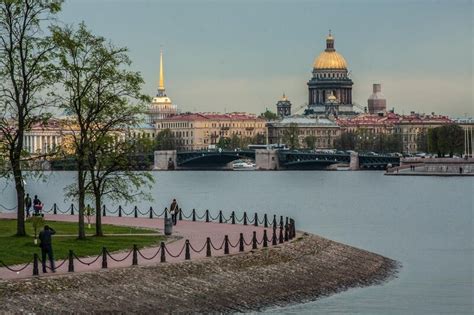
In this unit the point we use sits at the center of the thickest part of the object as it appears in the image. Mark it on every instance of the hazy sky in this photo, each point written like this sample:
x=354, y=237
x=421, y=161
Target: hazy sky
x=242, y=55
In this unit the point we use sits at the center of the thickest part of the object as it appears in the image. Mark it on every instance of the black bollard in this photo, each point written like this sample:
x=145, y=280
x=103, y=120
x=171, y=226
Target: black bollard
x=226, y=245
x=207, y=215
x=135, y=255
x=286, y=221
x=265, y=238
x=220, y=216
x=286, y=233
x=55, y=211
x=245, y=218
x=241, y=242
x=187, y=254
x=120, y=212
x=104, y=258
x=281, y=235
x=163, y=254
x=274, y=221
x=135, y=210
x=194, y=214
x=151, y=212
x=233, y=217
x=208, y=247
x=72, y=209
x=293, y=228
x=166, y=214
x=35, y=265
x=71, y=261
x=255, y=219
x=254, y=240
x=265, y=220
x=180, y=216
x=281, y=221
x=104, y=213
x=274, y=237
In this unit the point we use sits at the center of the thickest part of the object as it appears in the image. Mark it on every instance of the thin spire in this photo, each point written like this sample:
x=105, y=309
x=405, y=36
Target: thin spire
x=161, y=84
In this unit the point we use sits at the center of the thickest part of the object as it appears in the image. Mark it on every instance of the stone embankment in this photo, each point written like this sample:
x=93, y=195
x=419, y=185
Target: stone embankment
x=305, y=269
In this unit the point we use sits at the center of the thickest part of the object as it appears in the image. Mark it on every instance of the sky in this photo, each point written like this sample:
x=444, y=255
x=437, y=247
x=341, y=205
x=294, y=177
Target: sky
x=227, y=56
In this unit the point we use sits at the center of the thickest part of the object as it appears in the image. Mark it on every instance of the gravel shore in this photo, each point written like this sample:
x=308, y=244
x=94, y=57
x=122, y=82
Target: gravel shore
x=306, y=269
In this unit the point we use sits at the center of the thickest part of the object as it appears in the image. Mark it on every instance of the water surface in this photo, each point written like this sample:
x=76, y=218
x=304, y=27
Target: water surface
x=425, y=223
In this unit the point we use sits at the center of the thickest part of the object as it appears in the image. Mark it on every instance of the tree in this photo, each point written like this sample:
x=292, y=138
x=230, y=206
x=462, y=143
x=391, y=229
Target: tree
x=36, y=222
x=98, y=94
x=259, y=139
x=235, y=142
x=269, y=115
x=347, y=141
x=310, y=142
x=112, y=174
x=165, y=140
x=291, y=136
x=25, y=75
x=447, y=139
x=223, y=143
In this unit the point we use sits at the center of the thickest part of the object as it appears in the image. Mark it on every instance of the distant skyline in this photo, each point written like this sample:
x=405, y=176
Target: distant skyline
x=242, y=55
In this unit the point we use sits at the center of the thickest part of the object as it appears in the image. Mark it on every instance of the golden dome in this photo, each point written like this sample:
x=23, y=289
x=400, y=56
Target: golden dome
x=329, y=58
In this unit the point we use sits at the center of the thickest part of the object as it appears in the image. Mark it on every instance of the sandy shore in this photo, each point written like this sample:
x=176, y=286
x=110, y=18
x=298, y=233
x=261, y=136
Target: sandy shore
x=306, y=269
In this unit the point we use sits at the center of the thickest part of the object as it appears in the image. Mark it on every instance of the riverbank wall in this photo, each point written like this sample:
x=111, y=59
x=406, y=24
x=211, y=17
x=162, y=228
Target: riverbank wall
x=308, y=268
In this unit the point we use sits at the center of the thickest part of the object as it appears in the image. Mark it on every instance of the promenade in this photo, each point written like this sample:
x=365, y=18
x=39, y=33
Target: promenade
x=196, y=232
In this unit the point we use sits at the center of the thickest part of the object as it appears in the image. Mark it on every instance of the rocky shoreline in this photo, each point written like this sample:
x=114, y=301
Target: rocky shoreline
x=306, y=269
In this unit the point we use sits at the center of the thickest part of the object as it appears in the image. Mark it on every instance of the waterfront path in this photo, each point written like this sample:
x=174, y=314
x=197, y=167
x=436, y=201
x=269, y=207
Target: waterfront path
x=196, y=232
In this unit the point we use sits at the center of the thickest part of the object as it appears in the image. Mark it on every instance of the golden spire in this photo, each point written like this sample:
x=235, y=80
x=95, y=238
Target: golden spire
x=161, y=85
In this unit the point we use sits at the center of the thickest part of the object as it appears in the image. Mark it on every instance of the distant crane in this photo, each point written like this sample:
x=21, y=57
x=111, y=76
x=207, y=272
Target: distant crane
x=297, y=109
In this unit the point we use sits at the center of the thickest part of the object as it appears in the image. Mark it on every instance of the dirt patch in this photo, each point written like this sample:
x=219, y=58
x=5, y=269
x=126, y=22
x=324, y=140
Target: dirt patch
x=306, y=269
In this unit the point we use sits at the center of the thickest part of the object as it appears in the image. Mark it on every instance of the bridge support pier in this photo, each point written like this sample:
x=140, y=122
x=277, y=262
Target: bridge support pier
x=266, y=159
x=165, y=160
x=354, y=164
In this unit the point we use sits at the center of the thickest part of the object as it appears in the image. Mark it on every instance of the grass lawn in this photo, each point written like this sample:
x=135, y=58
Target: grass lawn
x=16, y=250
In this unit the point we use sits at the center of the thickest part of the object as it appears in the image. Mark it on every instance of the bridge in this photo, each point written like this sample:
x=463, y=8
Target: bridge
x=315, y=160
x=211, y=159
x=271, y=159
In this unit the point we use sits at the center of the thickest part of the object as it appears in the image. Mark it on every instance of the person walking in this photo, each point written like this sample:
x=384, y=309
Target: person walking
x=27, y=205
x=37, y=205
x=47, y=247
x=174, y=209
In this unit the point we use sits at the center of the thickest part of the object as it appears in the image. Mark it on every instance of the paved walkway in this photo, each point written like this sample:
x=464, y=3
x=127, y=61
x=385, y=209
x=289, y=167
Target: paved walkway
x=195, y=232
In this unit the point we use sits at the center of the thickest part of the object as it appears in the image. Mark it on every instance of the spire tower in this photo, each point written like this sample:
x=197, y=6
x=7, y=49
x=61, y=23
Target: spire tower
x=161, y=83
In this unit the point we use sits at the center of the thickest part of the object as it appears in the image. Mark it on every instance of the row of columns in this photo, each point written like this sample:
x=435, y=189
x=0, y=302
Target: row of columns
x=40, y=143
x=468, y=142
x=319, y=96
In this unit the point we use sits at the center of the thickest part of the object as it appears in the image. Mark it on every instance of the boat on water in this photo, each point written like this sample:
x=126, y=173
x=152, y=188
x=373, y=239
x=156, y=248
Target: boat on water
x=243, y=165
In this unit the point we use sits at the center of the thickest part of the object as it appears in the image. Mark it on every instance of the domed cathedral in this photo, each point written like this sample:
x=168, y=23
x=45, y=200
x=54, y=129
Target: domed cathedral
x=161, y=106
x=330, y=88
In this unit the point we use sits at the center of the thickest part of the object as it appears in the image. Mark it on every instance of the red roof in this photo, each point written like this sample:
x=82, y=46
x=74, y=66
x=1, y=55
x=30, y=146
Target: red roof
x=214, y=116
x=392, y=119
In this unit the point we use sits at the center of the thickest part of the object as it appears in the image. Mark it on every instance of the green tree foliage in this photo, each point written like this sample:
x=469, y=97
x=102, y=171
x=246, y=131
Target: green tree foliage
x=364, y=141
x=98, y=91
x=290, y=136
x=25, y=77
x=269, y=115
x=310, y=142
x=165, y=140
x=447, y=139
x=347, y=141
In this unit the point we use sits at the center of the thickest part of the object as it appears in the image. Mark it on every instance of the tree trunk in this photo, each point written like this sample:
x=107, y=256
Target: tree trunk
x=82, y=194
x=20, y=197
x=98, y=213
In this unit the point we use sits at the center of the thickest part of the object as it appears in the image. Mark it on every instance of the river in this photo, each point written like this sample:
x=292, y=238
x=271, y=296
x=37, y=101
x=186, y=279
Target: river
x=425, y=223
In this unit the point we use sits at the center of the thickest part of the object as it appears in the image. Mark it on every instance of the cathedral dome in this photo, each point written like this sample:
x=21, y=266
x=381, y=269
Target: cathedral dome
x=329, y=58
